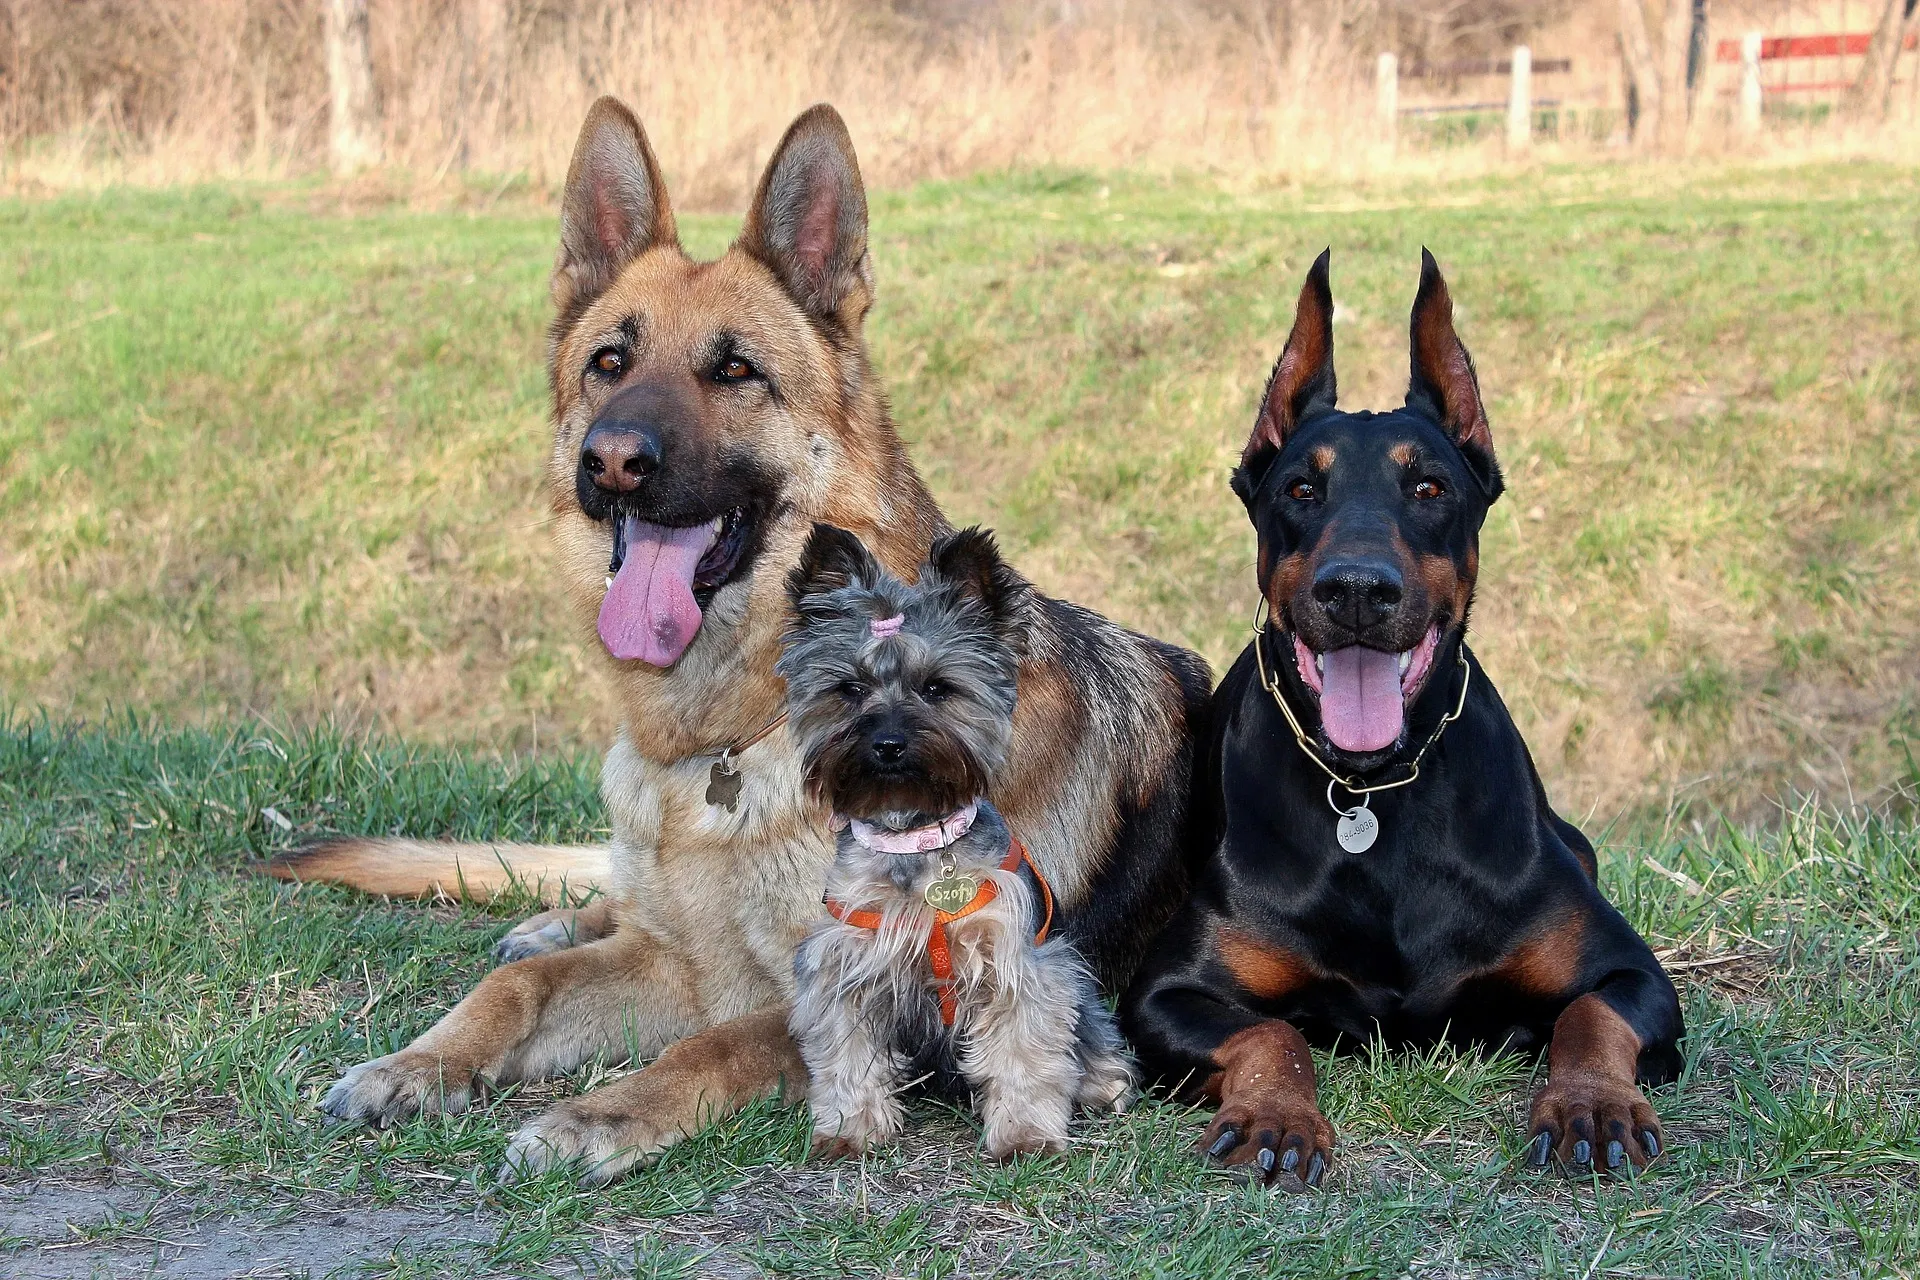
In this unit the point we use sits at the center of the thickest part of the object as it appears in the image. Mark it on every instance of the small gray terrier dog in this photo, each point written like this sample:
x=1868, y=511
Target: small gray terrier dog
x=937, y=958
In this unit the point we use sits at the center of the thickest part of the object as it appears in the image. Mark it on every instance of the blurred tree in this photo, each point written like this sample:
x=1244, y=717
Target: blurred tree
x=354, y=136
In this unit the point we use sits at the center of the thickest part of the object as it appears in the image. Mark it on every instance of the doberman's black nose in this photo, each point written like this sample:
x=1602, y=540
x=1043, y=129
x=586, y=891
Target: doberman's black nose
x=618, y=456
x=889, y=746
x=1358, y=594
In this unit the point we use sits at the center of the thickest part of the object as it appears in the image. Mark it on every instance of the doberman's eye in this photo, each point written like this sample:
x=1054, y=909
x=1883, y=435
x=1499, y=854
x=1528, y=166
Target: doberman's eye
x=1429, y=489
x=936, y=691
x=852, y=690
x=1302, y=491
x=609, y=362
x=733, y=369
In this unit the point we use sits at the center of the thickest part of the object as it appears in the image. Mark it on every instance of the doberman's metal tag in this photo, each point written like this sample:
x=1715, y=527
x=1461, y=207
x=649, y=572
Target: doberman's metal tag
x=723, y=785
x=951, y=892
x=1357, y=829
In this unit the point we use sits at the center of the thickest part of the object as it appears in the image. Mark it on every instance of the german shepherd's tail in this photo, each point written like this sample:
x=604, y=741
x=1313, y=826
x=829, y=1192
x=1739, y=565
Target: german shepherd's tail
x=558, y=875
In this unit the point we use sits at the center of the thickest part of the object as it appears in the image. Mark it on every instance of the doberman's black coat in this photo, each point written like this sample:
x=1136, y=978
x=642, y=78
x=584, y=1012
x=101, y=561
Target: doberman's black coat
x=1475, y=914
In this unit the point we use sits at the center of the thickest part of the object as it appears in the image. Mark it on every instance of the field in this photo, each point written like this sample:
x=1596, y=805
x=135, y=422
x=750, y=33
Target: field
x=169, y=1021
x=272, y=451
x=270, y=564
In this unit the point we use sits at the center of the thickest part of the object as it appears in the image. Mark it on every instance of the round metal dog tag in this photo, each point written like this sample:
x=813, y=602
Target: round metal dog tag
x=950, y=893
x=1357, y=830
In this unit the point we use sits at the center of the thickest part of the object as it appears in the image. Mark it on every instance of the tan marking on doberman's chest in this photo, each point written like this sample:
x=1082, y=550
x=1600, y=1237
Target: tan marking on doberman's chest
x=1263, y=970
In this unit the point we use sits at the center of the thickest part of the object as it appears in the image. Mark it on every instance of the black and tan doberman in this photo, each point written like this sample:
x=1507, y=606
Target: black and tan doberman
x=1377, y=854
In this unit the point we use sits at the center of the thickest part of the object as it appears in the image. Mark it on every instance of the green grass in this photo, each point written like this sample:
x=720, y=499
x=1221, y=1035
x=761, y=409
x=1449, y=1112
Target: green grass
x=264, y=451
x=170, y=1020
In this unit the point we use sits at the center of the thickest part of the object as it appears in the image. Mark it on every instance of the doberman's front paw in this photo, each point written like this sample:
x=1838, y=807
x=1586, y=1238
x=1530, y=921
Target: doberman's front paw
x=1586, y=1121
x=1274, y=1137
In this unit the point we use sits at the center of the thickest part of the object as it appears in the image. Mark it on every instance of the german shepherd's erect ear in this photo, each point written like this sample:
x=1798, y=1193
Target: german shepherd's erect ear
x=614, y=210
x=969, y=561
x=808, y=221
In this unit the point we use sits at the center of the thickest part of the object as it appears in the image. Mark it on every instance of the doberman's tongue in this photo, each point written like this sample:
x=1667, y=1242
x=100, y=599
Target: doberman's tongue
x=649, y=612
x=1360, y=703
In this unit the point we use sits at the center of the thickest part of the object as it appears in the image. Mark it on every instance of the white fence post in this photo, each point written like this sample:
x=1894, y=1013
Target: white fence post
x=1386, y=96
x=1520, y=102
x=1750, y=82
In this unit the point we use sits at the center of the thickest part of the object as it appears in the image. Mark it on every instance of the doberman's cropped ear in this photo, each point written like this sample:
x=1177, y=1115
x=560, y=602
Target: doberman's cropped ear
x=808, y=220
x=970, y=562
x=1444, y=383
x=833, y=558
x=615, y=208
x=1302, y=382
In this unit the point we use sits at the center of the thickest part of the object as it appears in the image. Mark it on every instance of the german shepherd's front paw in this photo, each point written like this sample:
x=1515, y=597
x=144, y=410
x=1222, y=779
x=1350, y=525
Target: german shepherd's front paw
x=599, y=1141
x=401, y=1085
x=1274, y=1135
x=1583, y=1121
x=554, y=930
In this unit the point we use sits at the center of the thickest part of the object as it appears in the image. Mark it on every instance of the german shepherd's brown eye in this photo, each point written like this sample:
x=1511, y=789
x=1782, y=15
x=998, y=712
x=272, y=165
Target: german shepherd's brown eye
x=852, y=690
x=936, y=691
x=1428, y=489
x=1302, y=491
x=609, y=362
x=733, y=369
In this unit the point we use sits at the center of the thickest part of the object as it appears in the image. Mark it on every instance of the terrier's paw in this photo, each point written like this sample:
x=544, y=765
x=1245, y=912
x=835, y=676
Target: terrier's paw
x=401, y=1085
x=601, y=1142
x=1584, y=1121
x=1108, y=1092
x=1275, y=1137
x=1009, y=1138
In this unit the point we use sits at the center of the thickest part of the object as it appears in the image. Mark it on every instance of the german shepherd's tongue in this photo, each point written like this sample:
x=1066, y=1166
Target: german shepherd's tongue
x=649, y=612
x=1360, y=705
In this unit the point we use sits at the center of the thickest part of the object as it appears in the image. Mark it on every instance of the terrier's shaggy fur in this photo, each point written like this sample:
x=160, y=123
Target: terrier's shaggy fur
x=901, y=701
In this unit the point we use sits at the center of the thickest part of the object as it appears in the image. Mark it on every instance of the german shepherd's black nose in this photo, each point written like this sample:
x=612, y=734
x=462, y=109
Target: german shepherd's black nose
x=617, y=456
x=1358, y=595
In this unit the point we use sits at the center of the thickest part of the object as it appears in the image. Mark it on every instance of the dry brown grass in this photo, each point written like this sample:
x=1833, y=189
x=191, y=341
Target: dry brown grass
x=165, y=90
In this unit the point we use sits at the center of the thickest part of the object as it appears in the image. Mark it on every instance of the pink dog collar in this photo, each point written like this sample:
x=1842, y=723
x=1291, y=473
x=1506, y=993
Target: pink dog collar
x=926, y=839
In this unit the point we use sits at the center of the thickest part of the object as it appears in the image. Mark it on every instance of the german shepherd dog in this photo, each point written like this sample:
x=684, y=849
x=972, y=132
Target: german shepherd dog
x=1377, y=852
x=705, y=415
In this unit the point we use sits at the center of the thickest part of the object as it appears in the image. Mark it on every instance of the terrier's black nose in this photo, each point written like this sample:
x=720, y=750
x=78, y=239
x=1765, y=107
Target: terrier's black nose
x=1358, y=594
x=617, y=457
x=889, y=747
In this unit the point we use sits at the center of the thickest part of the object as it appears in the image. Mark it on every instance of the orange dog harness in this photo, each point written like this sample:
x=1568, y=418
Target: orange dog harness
x=939, y=954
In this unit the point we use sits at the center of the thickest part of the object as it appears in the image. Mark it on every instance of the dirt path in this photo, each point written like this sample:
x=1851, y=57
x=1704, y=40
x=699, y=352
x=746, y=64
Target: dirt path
x=53, y=1232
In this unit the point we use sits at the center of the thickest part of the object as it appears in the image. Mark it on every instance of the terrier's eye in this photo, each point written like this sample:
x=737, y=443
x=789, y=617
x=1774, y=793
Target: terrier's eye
x=1302, y=491
x=936, y=691
x=609, y=362
x=852, y=690
x=733, y=369
x=1427, y=490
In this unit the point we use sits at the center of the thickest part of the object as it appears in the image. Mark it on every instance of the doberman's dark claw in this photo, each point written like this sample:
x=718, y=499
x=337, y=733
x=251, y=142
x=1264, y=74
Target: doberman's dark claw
x=1229, y=1138
x=1290, y=1161
x=1650, y=1143
x=1316, y=1169
x=1616, y=1155
x=1582, y=1153
x=1541, y=1151
x=1265, y=1161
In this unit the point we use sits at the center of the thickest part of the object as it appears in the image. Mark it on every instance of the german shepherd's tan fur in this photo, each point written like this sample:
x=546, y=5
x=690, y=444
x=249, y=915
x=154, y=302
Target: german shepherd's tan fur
x=690, y=952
